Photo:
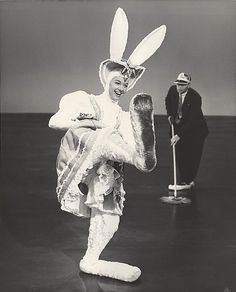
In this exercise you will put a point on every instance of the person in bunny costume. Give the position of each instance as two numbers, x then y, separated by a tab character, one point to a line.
99	138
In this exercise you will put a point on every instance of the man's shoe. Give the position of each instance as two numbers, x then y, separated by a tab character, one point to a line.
180	187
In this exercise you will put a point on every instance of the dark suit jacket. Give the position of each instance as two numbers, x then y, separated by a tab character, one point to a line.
193	123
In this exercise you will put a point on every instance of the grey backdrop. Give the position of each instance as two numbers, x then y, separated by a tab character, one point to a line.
50	48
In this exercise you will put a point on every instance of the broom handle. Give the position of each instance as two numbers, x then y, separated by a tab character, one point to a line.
174	161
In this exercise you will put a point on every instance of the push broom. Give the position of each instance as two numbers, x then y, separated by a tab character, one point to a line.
174	199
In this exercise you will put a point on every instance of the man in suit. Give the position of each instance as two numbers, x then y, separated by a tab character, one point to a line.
183	105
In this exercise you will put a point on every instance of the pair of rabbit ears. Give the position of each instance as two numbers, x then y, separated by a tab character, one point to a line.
143	51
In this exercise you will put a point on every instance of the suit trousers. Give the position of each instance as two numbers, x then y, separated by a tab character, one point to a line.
188	156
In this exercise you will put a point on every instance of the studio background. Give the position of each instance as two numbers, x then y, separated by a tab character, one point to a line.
50	48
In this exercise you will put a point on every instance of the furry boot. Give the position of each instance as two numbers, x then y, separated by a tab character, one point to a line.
141	113
102	228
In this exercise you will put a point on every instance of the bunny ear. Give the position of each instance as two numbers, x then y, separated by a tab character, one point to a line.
148	46
119	35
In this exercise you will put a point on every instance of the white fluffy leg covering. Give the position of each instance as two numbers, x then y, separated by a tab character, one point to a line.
115	149
102	228
143	154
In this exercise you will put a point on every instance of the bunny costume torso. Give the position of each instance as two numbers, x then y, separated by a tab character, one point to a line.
80	104
83	155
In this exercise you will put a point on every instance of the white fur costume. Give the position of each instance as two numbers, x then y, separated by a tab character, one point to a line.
102	228
89	178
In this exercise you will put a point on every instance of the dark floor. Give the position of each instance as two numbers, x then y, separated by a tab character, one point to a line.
179	248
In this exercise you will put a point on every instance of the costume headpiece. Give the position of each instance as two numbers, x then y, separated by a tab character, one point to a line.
129	68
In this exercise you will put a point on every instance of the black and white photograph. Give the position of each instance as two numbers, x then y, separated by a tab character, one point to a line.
118	138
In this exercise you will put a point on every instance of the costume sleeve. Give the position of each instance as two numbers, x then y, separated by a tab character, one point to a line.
77	105
72	107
